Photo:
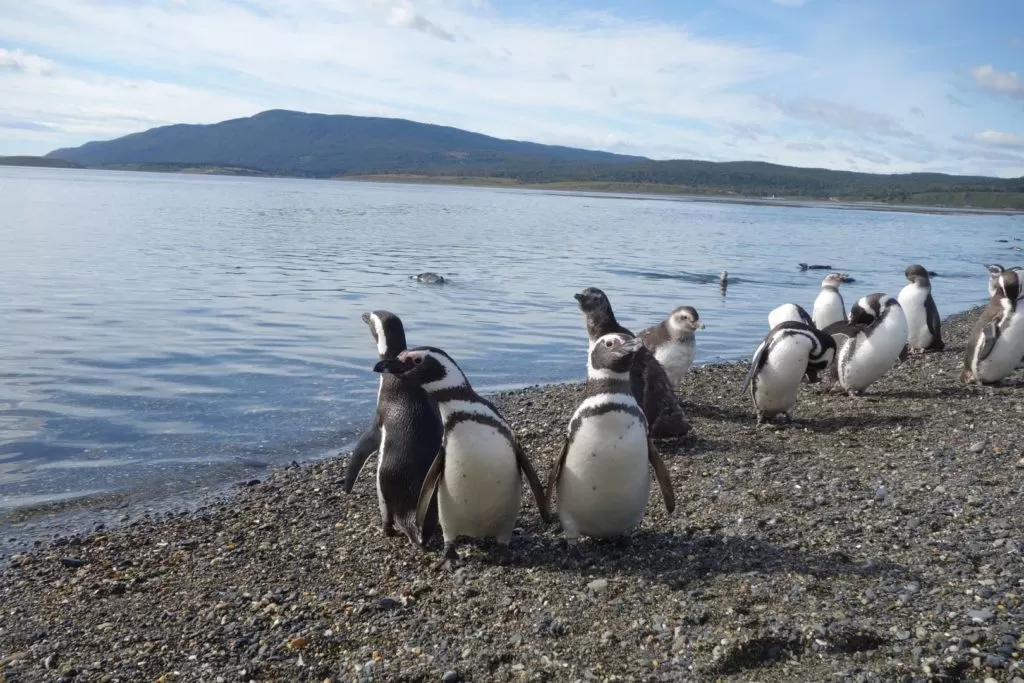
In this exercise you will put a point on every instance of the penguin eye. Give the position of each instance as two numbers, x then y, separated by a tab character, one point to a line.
417	360
609	343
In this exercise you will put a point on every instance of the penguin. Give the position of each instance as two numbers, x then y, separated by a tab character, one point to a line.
476	475
804	267
602	476
648	380
996	344
779	364
869	344
829	306
673	341
923	322
794	312
723	282
429	278
406	433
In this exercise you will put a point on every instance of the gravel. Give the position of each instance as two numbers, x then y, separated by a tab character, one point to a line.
877	539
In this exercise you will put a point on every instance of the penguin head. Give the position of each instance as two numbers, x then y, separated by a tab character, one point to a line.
612	354
1008	284
592	299
994	269
684	320
867	309
833	280
917	274
388	332
427	366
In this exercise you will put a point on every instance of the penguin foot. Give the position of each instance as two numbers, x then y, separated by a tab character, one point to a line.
449	560
389	529
503	555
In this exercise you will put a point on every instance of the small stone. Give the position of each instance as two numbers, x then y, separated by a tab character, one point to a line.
903	635
977	447
995	661
880	494
597	585
981	616
387	604
451	677
189	544
72	562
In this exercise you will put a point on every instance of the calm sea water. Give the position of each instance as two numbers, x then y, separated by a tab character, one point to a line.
167	332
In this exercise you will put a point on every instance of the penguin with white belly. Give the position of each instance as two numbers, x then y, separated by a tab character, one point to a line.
477	473
923	323
602	476
780	363
673	342
796	313
870	344
406	433
996	343
828	306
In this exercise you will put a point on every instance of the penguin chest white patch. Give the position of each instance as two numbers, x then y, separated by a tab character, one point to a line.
480	492
828	308
1006	353
605	481
676	358
871	357
912	299
779	380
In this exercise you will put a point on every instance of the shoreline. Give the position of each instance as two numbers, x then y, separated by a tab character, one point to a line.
624	190
877	539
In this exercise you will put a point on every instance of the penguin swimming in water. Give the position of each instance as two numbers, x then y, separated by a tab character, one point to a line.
923	322
869	344
406	433
779	364
673	342
429	278
648	380
828	306
996	344
804	267
602	475
476	476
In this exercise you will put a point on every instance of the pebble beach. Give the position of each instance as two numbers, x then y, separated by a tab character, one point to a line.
876	539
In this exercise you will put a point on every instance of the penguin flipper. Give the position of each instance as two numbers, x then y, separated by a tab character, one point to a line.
661	473
369	442
934	323
531	476
756	363
555	475
429	488
991	334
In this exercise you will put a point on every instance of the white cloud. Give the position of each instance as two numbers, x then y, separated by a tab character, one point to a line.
998	139
1006	83
587	78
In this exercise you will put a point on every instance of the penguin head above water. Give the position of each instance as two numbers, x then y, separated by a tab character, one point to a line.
430	367
388	332
684	320
612	355
917	274
592	299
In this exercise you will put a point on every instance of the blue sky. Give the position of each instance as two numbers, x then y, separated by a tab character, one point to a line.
867	85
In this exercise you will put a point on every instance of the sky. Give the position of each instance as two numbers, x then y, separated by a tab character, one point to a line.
865	85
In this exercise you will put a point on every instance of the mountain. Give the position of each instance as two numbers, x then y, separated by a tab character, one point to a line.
290	143
322	145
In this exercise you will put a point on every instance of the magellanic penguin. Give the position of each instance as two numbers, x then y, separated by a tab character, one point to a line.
648	380
673	341
828	306
996	344
602	477
796	313
923	322
477	473
780	363
994	271
406	433
870	344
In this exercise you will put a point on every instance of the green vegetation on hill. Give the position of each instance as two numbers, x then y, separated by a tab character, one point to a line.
47	162
289	143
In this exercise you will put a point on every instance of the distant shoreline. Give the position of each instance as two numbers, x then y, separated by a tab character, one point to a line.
636	190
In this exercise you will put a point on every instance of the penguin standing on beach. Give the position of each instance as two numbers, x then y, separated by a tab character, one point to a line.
406	433
648	380
673	341
602	476
828	306
923	322
779	364
476	475
869	344
996	344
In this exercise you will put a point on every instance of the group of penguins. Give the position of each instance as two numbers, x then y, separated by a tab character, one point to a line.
446	456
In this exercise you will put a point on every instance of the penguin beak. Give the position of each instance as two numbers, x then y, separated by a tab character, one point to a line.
391	366
578	296
700	326
632	345
366	318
